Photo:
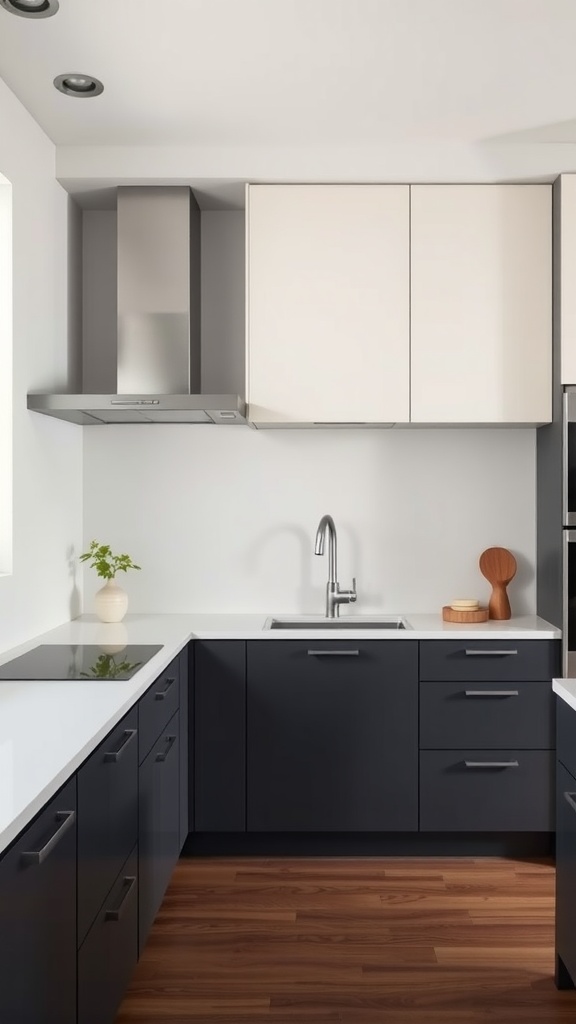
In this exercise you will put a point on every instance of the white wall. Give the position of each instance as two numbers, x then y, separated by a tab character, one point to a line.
47	455
224	518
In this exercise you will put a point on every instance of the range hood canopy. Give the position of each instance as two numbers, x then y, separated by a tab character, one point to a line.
158	335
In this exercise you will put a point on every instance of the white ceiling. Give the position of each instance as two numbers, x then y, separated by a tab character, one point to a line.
298	73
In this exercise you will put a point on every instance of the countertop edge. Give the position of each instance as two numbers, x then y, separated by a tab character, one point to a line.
566	690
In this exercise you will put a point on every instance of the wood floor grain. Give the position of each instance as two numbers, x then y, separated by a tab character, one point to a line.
354	941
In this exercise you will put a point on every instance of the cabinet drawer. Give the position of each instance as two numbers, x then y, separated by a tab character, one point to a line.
460	791
109	953
488	660
157	707
38	918
566	734
107	817
159	824
456	715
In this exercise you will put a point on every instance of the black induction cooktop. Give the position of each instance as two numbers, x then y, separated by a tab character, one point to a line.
79	661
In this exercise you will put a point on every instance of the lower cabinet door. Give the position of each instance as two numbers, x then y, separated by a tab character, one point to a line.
109	952
332	736
487	790
159	824
38	919
566	869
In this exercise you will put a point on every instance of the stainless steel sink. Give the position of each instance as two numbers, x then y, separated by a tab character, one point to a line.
346	622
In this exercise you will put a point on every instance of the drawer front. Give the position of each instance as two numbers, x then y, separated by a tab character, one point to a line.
488	715
107	816
38	918
488	660
109	953
464	791
566	735
159	824
157	707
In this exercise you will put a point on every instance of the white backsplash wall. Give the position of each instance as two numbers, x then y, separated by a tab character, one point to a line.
41	588
224	518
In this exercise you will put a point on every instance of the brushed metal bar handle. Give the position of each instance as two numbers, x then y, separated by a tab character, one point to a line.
492	693
66	820
491	764
164	753
128	884
162	694
334	654
115	755
569	797
488	654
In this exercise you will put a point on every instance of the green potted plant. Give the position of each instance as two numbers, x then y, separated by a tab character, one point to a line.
111	601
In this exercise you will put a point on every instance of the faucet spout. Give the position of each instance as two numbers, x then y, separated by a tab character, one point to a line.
326	526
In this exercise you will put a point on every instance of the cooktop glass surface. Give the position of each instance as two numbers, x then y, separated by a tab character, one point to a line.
79	661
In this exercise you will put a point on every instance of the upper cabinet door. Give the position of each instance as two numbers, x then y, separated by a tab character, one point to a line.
481	304
328	304
565	249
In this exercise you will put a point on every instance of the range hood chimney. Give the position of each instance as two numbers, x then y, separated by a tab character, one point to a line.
158	337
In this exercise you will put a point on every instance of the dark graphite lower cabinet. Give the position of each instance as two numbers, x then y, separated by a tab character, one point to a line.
566	877
107	817
487	735
220	736
159	828
566	846
332	732
110	951
38	913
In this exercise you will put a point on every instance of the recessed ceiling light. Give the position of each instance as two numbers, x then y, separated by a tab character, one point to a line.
79	85
31	8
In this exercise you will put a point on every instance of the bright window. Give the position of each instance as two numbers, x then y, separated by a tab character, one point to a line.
5	376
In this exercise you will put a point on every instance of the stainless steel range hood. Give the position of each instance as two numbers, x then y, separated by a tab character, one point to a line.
158	334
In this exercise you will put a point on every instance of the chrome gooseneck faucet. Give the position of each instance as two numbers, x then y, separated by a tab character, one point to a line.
334	596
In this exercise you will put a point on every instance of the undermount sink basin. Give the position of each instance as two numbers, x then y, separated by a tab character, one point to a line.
346	622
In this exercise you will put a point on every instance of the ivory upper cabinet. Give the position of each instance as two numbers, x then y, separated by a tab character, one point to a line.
566	216
481	304
328	304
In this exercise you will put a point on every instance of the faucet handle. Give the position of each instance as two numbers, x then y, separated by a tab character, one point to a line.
353	594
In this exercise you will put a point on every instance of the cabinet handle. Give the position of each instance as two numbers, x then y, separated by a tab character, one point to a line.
491	764
161	694
333	654
128	884
115	755
491	693
164	753
66	820
569	797
488	654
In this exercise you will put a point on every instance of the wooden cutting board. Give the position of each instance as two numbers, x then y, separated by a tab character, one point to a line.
498	565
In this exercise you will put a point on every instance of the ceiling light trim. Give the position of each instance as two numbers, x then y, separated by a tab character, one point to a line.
45	9
64	84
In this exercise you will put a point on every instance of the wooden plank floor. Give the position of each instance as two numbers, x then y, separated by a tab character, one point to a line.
356	941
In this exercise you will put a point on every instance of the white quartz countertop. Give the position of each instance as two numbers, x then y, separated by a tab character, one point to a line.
566	688
48	728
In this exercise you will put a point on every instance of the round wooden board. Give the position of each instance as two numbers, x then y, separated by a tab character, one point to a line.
450	615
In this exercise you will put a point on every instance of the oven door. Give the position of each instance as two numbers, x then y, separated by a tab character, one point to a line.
569	605
569	458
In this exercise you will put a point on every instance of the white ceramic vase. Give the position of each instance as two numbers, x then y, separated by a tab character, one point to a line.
111	602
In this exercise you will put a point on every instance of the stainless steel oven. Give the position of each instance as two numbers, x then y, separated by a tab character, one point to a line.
569	604
569	458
